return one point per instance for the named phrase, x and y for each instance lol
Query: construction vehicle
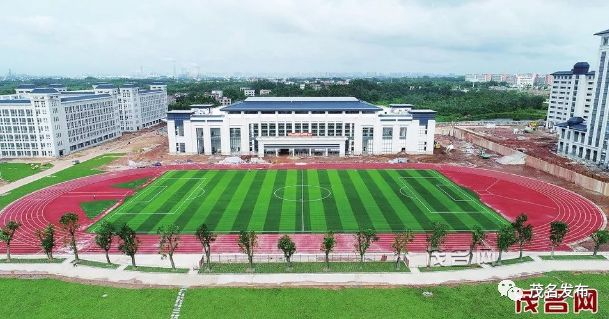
(482, 153)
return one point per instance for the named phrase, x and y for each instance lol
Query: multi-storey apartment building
(571, 94)
(139, 108)
(301, 126)
(52, 121)
(47, 123)
(588, 138)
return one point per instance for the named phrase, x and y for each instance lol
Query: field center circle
(291, 193)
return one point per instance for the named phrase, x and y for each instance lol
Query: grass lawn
(307, 201)
(86, 168)
(573, 257)
(97, 264)
(44, 298)
(33, 261)
(445, 268)
(157, 269)
(11, 172)
(515, 261)
(54, 299)
(132, 184)
(94, 208)
(307, 267)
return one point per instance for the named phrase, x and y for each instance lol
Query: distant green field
(11, 172)
(304, 201)
(44, 298)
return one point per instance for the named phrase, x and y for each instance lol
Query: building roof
(563, 73)
(602, 32)
(12, 101)
(301, 104)
(79, 92)
(422, 111)
(26, 86)
(149, 91)
(105, 86)
(84, 97)
(56, 85)
(44, 91)
(129, 85)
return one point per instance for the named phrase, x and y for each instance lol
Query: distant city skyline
(122, 38)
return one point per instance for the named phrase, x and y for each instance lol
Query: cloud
(117, 37)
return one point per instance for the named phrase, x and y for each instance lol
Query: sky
(124, 37)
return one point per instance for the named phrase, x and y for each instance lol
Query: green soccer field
(294, 201)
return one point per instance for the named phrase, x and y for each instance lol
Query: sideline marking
(177, 307)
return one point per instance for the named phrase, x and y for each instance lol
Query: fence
(279, 258)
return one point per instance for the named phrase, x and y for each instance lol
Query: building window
(180, 147)
(216, 142)
(200, 141)
(235, 140)
(387, 139)
(367, 140)
(403, 132)
(606, 41)
(179, 124)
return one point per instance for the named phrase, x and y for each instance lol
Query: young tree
(248, 241)
(169, 241)
(6, 235)
(400, 246)
(363, 239)
(524, 232)
(206, 237)
(287, 245)
(327, 246)
(46, 236)
(435, 239)
(558, 231)
(478, 237)
(129, 242)
(69, 224)
(505, 239)
(599, 237)
(103, 237)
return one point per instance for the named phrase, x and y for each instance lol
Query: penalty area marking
(415, 195)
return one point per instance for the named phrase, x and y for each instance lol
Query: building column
(206, 140)
(260, 149)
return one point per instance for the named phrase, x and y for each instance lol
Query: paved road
(191, 279)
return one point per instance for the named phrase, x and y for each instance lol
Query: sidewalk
(192, 279)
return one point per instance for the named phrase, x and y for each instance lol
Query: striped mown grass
(294, 201)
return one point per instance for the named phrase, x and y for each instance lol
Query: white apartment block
(53, 122)
(265, 92)
(249, 92)
(524, 81)
(588, 138)
(571, 95)
(44, 122)
(138, 108)
(302, 126)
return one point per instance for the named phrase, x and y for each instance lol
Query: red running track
(508, 194)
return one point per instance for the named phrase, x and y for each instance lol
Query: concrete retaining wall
(586, 182)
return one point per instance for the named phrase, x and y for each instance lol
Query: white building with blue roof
(301, 126)
(583, 124)
(53, 122)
